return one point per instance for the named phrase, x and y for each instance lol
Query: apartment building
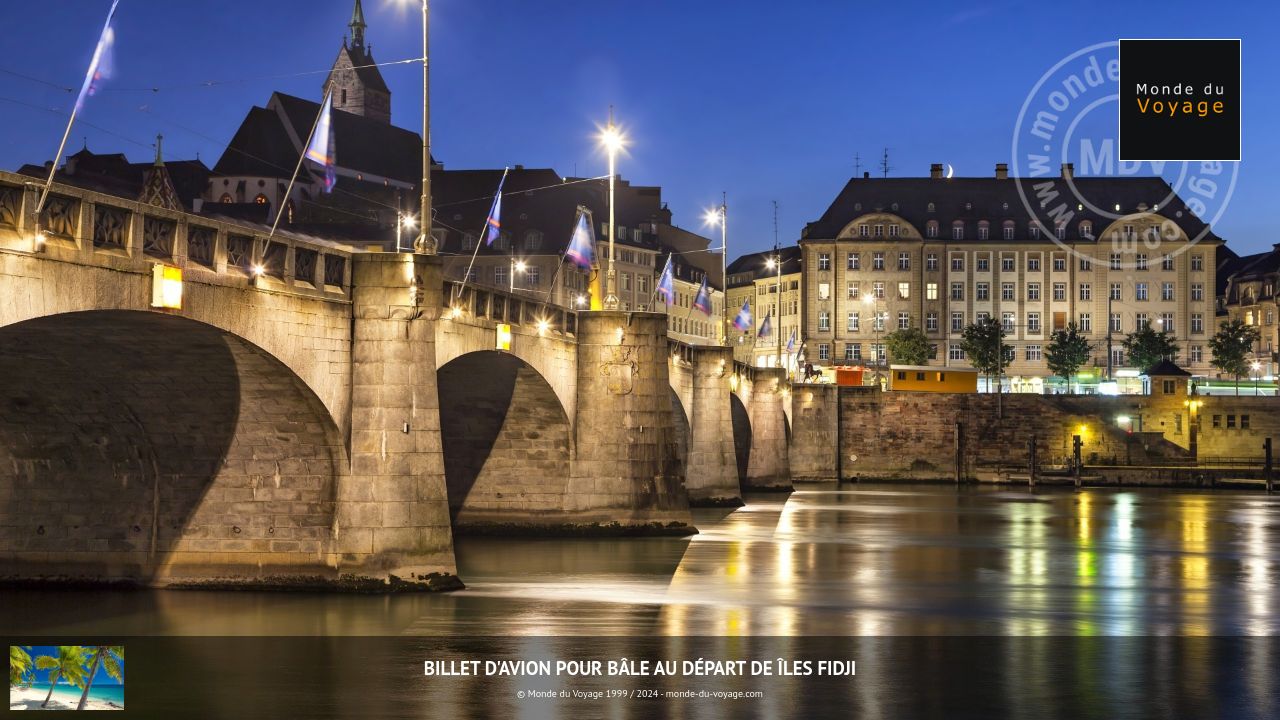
(773, 290)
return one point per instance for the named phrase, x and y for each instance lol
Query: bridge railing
(93, 228)
(487, 303)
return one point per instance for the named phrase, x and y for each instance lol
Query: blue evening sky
(764, 100)
(42, 676)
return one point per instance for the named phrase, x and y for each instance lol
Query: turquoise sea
(102, 693)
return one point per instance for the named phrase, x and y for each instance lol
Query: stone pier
(768, 467)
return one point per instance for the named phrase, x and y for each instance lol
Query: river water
(1032, 595)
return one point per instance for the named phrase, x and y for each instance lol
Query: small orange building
(922, 378)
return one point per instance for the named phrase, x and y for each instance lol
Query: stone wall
(814, 411)
(767, 468)
(711, 472)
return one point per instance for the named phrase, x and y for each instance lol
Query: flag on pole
(582, 247)
(702, 300)
(743, 321)
(320, 149)
(100, 65)
(766, 327)
(791, 341)
(666, 284)
(493, 225)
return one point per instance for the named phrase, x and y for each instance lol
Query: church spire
(357, 26)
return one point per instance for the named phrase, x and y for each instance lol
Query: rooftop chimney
(1068, 170)
(866, 174)
(1002, 171)
(935, 171)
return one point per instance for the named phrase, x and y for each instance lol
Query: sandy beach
(30, 699)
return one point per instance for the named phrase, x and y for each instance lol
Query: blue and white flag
(666, 284)
(743, 321)
(791, 341)
(702, 301)
(100, 65)
(582, 247)
(493, 225)
(320, 149)
(766, 327)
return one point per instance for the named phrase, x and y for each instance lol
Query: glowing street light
(517, 266)
(719, 216)
(426, 134)
(612, 139)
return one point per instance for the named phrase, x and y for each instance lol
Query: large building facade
(940, 253)
(769, 291)
(1249, 294)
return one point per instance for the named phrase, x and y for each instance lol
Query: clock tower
(358, 87)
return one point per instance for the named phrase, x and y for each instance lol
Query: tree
(908, 347)
(983, 344)
(19, 664)
(1231, 346)
(1066, 352)
(1147, 347)
(67, 665)
(109, 657)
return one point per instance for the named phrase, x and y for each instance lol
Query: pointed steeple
(157, 186)
(357, 26)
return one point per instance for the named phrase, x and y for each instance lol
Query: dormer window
(931, 207)
(931, 227)
(1007, 230)
(984, 230)
(957, 230)
(1086, 229)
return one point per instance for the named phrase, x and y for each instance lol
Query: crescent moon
(950, 171)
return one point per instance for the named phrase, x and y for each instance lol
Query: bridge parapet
(92, 228)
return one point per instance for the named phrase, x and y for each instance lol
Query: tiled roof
(756, 265)
(113, 174)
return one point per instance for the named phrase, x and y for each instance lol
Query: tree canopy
(983, 343)
(1067, 351)
(907, 347)
(1146, 347)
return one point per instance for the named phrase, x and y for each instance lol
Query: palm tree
(68, 665)
(19, 663)
(110, 657)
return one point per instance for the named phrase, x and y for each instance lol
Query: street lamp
(407, 222)
(613, 140)
(870, 299)
(1257, 367)
(775, 263)
(720, 216)
(517, 266)
(422, 244)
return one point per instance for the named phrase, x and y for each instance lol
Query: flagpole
(467, 275)
(301, 156)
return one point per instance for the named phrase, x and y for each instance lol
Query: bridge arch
(149, 447)
(507, 440)
(741, 436)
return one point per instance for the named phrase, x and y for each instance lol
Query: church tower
(357, 84)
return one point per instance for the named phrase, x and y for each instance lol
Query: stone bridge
(314, 414)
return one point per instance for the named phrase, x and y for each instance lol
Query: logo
(1065, 149)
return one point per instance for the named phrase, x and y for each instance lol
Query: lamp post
(720, 216)
(870, 299)
(406, 222)
(1257, 368)
(426, 137)
(611, 138)
(775, 263)
(516, 266)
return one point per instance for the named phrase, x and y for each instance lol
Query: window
(853, 261)
(1197, 354)
(1059, 291)
(1086, 291)
(931, 291)
(1006, 291)
(1166, 322)
(864, 231)
(904, 260)
(1006, 264)
(983, 318)
(877, 261)
(931, 262)
(957, 322)
(853, 291)
(1033, 353)
(1059, 264)
(1086, 264)
(957, 291)
(1141, 320)
(877, 288)
(1115, 261)
(1007, 320)
(1169, 386)
(824, 320)
(904, 291)
(1033, 322)
(893, 230)
(1061, 230)
(853, 351)
(957, 263)
(955, 352)
(1115, 323)
(1086, 322)
(824, 261)
(1086, 229)
(1142, 261)
(878, 321)
(931, 229)
(1244, 422)
(626, 282)
(984, 264)
(984, 230)
(1166, 262)
(1033, 291)
(879, 231)
(1007, 231)
(642, 284)
(1117, 357)
(1166, 291)
(824, 291)
(500, 275)
(904, 320)
(957, 230)
(1140, 291)
(1116, 290)
(984, 291)
(1197, 292)
(1033, 231)
(877, 352)
(1231, 421)
(261, 199)
(852, 322)
(1197, 263)
(534, 275)
(1217, 421)
(824, 351)
(931, 321)
(1033, 264)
